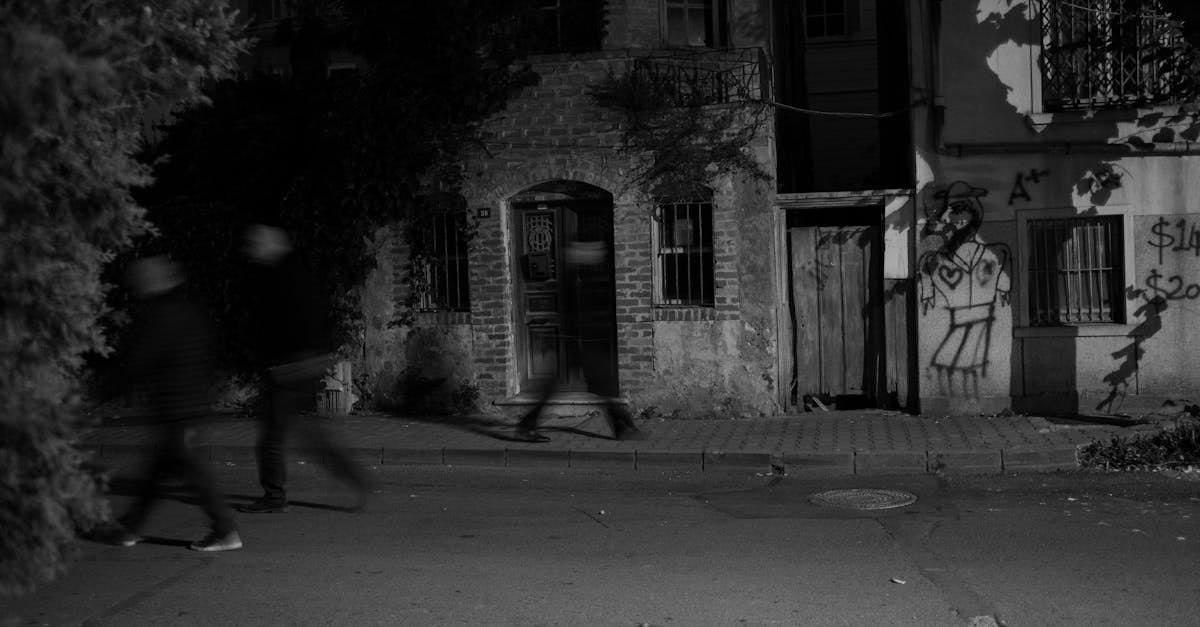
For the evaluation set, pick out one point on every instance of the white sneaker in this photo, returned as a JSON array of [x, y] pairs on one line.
[[218, 542]]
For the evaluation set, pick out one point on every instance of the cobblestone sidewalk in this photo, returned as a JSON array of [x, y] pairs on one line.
[[857, 442]]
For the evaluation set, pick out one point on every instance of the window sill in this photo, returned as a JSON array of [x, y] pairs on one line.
[[683, 313], [1081, 330], [1147, 127], [441, 318]]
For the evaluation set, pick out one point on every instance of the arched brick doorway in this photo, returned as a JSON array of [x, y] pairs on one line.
[[564, 288]]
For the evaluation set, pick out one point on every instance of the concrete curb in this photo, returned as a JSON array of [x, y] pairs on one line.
[[814, 464]]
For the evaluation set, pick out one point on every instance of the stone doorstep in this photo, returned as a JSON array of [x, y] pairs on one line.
[[890, 462], [537, 458], [965, 460], [737, 460], [606, 460], [650, 459], [1028, 458], [817, 464]]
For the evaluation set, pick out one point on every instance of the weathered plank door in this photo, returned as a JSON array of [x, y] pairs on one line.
[[836, 310]]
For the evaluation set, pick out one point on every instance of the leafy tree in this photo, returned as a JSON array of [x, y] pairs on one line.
[[76, 80], [335, 157]]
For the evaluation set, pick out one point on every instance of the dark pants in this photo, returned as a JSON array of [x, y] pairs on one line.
[[598, 378], [174, 459], [286, 404]]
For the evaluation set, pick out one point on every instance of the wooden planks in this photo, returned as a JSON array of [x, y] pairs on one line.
[[837, 310], [805, 320]]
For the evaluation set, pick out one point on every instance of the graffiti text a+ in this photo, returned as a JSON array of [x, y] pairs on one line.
[[1018, 191]]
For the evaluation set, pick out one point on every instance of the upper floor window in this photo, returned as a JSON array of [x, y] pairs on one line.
[[685, 253], [827, 18], [439, 265], [1076, 270], [702, 23], [1105, 54], [565, 25]]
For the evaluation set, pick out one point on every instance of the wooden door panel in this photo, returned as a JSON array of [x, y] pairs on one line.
[[853, 287], [805, 278], [543, 362], [567, 300], [829, 312], [833, 278]]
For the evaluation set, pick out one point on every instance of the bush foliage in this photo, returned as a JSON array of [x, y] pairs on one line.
[[77, 79], [1177, 445]]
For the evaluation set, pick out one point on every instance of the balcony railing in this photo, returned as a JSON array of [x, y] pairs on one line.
[[702, 77]]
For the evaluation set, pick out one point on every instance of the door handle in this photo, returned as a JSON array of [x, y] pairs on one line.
[[539, 322]]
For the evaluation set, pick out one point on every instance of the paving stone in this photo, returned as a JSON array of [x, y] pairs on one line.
[[818, 464], [723, 460], [534, 457], [616, 460], [668, 459], [473, 456]]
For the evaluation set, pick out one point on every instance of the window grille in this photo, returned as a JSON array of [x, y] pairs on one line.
[[1075, 270], [440, 265], [1099, 54], [700, 23], [685, 253]]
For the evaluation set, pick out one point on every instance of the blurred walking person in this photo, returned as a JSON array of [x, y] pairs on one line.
[[581, 255], [171, 359], [292, 341]]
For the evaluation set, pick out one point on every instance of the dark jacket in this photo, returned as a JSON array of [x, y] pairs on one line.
[[171, 357], [290, 319]]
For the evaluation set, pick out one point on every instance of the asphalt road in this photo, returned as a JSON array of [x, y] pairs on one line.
[[494, 546]]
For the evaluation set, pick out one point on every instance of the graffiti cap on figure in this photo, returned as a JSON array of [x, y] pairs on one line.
[[960, 189]]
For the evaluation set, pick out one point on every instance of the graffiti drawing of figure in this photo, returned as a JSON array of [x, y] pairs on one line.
[[968, 277]]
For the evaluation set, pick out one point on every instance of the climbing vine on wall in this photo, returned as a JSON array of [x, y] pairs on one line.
[[681, 127]]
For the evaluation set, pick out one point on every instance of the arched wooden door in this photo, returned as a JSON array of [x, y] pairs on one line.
[[565, 297]]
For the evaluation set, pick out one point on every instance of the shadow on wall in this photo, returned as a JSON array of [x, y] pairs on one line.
[[432, 381]]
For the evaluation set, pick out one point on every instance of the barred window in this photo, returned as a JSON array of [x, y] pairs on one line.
[[1075, 270], [696, 23], [685, 253], [440, 265], [1099, 54]]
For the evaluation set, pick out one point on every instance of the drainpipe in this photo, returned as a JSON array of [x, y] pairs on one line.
[[1066, 148]]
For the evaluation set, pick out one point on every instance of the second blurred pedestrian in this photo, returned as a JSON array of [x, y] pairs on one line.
[[292, 340]]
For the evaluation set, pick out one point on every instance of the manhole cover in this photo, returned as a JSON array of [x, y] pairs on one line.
[[864, 498]]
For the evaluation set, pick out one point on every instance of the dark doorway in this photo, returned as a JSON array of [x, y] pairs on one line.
[[565, 309]]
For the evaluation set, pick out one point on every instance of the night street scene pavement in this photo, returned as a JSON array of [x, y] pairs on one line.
[[484, 546], [638, 313]]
